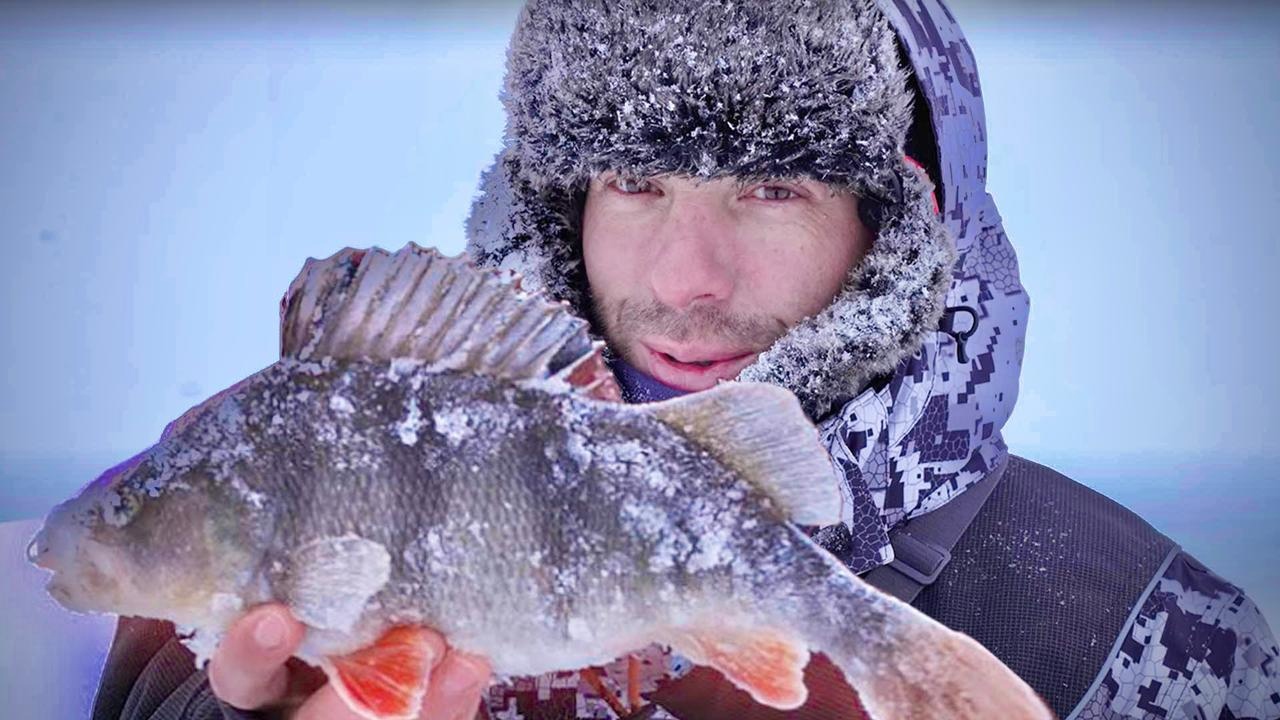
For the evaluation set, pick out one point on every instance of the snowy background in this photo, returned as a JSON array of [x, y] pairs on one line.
[[166, 171]]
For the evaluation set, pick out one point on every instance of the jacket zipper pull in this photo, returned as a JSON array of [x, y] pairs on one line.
[[960, 336]]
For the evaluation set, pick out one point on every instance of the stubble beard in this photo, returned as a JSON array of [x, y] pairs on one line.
[[623, 322]]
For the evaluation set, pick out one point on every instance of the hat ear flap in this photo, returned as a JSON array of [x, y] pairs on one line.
[[491, 212], [534, 232]]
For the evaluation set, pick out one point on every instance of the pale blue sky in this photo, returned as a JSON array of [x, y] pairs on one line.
[[167, 171]]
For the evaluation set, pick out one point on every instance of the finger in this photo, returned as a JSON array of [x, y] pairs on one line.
[[453, 692], [325, 704], [248, 669]]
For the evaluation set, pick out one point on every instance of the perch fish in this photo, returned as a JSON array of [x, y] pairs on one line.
[[437, 448]]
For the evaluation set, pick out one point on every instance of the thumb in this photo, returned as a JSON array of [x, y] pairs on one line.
[[248, 669]]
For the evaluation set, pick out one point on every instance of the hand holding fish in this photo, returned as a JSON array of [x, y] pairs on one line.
[[438, 449], [250, 670]]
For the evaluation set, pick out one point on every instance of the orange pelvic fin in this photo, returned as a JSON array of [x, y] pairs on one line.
[[388, 679], [765, 662]]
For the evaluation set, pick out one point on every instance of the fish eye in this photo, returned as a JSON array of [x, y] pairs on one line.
[[119, 506]]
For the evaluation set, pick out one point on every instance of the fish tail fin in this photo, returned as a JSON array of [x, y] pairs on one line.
[[420, 305], [902, 663]]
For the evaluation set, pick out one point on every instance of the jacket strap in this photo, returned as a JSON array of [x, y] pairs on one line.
[[922, 545]]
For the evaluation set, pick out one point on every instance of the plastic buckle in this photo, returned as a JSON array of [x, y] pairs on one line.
[[919, 560]]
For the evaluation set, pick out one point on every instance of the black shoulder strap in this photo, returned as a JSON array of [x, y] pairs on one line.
[[922, 545]]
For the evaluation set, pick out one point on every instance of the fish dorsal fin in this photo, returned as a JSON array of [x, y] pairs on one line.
[[760, 431], [418, 304], [767, 663]]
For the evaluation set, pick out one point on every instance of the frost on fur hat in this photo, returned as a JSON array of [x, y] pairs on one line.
[[713, 88]]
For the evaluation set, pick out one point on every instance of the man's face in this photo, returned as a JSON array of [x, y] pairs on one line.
[[692, 279]]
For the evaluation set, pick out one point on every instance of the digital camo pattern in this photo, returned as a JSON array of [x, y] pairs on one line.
[[563, 695], [1198, 649], [857, 439], [934, 428]]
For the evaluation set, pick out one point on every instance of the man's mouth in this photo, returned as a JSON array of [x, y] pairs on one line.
[[675, 360], [698, 363], [694, 369]]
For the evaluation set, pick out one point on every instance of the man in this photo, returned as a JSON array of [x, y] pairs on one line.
[[730, 191]]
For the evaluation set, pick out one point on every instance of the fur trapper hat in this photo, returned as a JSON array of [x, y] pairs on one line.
[[714, 88]]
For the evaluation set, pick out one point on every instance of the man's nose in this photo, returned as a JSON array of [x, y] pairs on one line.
[[694, 258]]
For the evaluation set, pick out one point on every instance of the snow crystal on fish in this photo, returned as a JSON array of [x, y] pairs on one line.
[[225, 603], [427, 556], [116, 510], [660, 481], [314, 368], [454, 423], [341, 405], [255, 499], [407, 429], [670, 544], [153, 487], [202, 642], [578, 450], [229, 413], [578, 629], [626, 452], [713, 549], [402, 367]]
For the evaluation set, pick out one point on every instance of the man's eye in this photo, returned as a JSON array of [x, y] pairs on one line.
[[773, 192], [631, 186]]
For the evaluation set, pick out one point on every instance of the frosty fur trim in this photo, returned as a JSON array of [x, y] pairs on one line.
[[891, 301], [709, 89], [705, 88]]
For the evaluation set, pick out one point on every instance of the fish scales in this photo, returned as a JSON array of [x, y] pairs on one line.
[[486, 500], [493, 497]]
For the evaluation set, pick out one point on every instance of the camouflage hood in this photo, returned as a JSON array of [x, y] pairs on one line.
[[913, 368]]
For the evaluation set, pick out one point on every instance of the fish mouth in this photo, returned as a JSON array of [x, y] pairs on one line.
[[86, 575], [693, 369], [38, 552], [94, 583], [55, 545]]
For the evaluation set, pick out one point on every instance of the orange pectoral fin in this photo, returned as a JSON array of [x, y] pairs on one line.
[[386, 680], [765, 662]]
